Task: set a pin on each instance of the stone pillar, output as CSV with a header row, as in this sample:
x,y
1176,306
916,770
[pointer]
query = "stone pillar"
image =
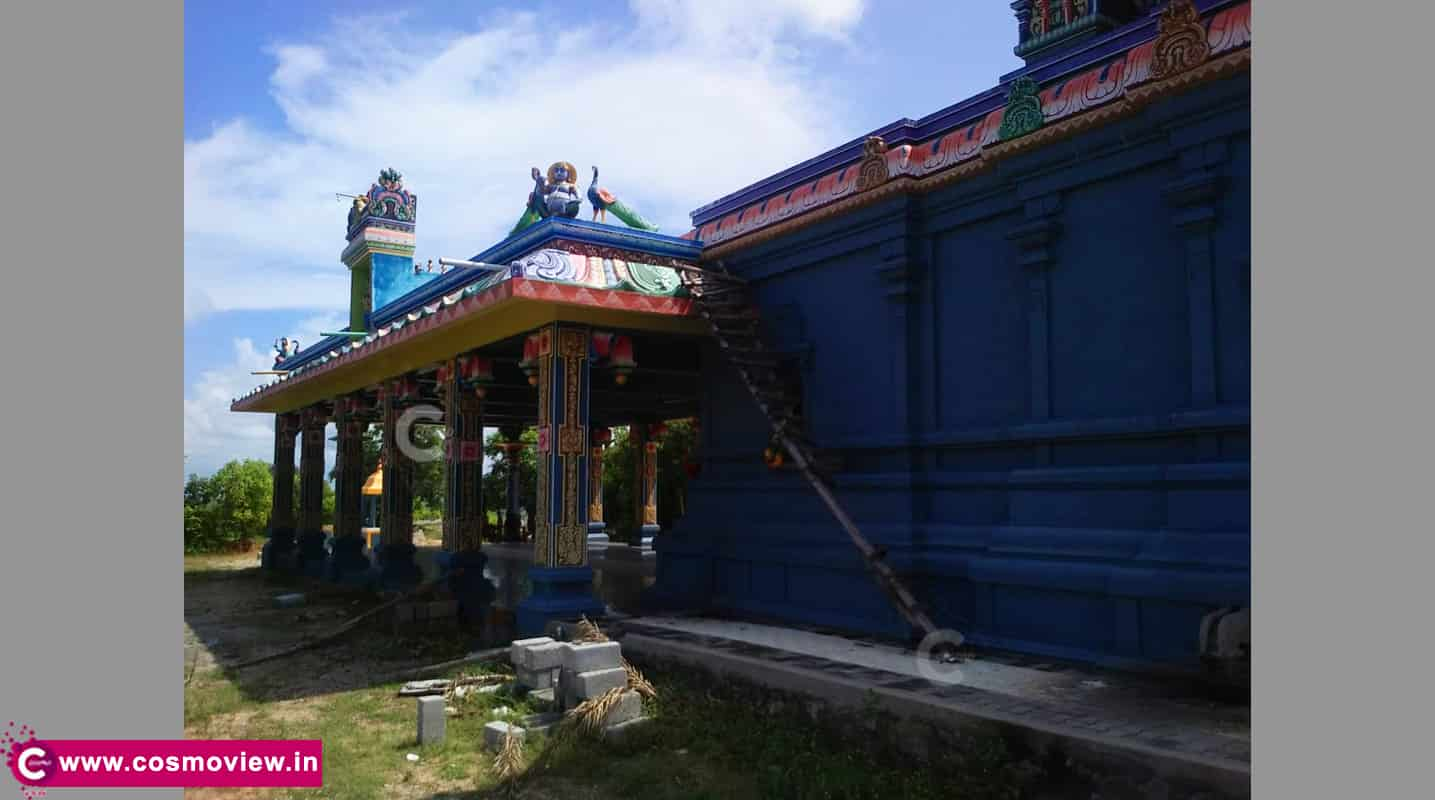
x,y
280,548
561,576
645,484
463,518
348,562
597,529
311,557
512,450
396,557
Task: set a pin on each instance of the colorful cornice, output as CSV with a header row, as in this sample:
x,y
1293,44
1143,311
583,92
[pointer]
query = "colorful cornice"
x,y
1171,60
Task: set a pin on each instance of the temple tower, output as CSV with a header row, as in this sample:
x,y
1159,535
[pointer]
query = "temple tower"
x,y
381,247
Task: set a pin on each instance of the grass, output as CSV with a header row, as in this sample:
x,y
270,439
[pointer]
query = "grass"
x,y
706,739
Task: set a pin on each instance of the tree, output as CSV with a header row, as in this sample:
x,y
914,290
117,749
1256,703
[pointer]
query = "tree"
x,y
620,463
495,480
228,509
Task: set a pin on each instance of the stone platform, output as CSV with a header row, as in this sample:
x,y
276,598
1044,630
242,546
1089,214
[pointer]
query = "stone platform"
x,y
1159,737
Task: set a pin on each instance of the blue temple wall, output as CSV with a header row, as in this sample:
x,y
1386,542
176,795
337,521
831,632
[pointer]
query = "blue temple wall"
x,y
394,277
1038,382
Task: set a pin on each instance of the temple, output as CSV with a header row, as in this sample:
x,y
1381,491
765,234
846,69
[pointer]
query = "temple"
x,y
986,371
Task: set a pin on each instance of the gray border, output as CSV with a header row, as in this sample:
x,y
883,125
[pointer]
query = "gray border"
x,y
90,575
90,580
1341,342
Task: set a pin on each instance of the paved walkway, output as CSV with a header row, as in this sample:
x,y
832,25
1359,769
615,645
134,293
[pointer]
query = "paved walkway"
x,y
1116,718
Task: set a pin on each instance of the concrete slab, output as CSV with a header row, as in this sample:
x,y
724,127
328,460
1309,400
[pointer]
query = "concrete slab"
x,y
1122,724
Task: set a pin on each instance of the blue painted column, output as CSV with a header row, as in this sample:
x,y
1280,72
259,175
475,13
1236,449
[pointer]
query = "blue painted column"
x,y
561,576
396,558
1035,239
597,527
645,485
347,563
279,549
463,518
312,557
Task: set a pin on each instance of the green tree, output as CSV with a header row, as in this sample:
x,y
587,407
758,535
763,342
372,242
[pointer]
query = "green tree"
x,y
495,479
620,463
228,509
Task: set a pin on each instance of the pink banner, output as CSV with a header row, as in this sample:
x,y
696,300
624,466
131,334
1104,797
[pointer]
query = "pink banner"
x,y
167,763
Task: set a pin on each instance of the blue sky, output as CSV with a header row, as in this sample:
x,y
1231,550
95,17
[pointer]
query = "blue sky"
x,y
678,101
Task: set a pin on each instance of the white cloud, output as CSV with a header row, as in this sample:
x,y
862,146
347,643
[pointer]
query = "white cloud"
x,y
213,435
678,104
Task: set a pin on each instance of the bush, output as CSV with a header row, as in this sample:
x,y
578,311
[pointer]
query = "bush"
x,y
228,509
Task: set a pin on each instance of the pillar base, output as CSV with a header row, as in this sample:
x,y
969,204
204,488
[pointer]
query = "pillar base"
x,y
597,538
559,593
348,564
312,556
278,552
645,536
397,568
466,580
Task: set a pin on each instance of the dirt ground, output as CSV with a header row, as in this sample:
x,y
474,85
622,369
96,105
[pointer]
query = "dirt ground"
x,y
704,740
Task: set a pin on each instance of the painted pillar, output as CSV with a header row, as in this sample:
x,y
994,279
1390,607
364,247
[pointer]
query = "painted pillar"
x,y
597,529
463,517
280,547
512,450
1194,198
645,484
311,556
396,559
348,560
561,576
1035,240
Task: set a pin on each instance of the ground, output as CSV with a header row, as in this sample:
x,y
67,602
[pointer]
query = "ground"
x,y
705,740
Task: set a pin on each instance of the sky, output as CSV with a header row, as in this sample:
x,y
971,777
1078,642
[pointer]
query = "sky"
x,y
678,102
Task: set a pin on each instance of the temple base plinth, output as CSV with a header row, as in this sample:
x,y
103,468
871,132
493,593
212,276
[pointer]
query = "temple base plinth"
x,y
312,557
559,593
397,568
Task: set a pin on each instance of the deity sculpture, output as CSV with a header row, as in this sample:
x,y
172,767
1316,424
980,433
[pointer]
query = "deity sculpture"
x,y
557,196
284,347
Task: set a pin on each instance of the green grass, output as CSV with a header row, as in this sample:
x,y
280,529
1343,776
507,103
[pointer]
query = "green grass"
x,y
707,739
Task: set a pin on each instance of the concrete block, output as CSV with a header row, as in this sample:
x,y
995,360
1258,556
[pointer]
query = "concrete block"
x,y
535,678
431,720
542,656
590,656
519,645
629,707
495,732
579,686
616,733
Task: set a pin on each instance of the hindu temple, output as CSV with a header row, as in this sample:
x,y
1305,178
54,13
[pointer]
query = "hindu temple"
x,y
987,370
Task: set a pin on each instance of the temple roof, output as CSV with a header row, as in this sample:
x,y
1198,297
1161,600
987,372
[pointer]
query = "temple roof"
x,y
1066,83
556,269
